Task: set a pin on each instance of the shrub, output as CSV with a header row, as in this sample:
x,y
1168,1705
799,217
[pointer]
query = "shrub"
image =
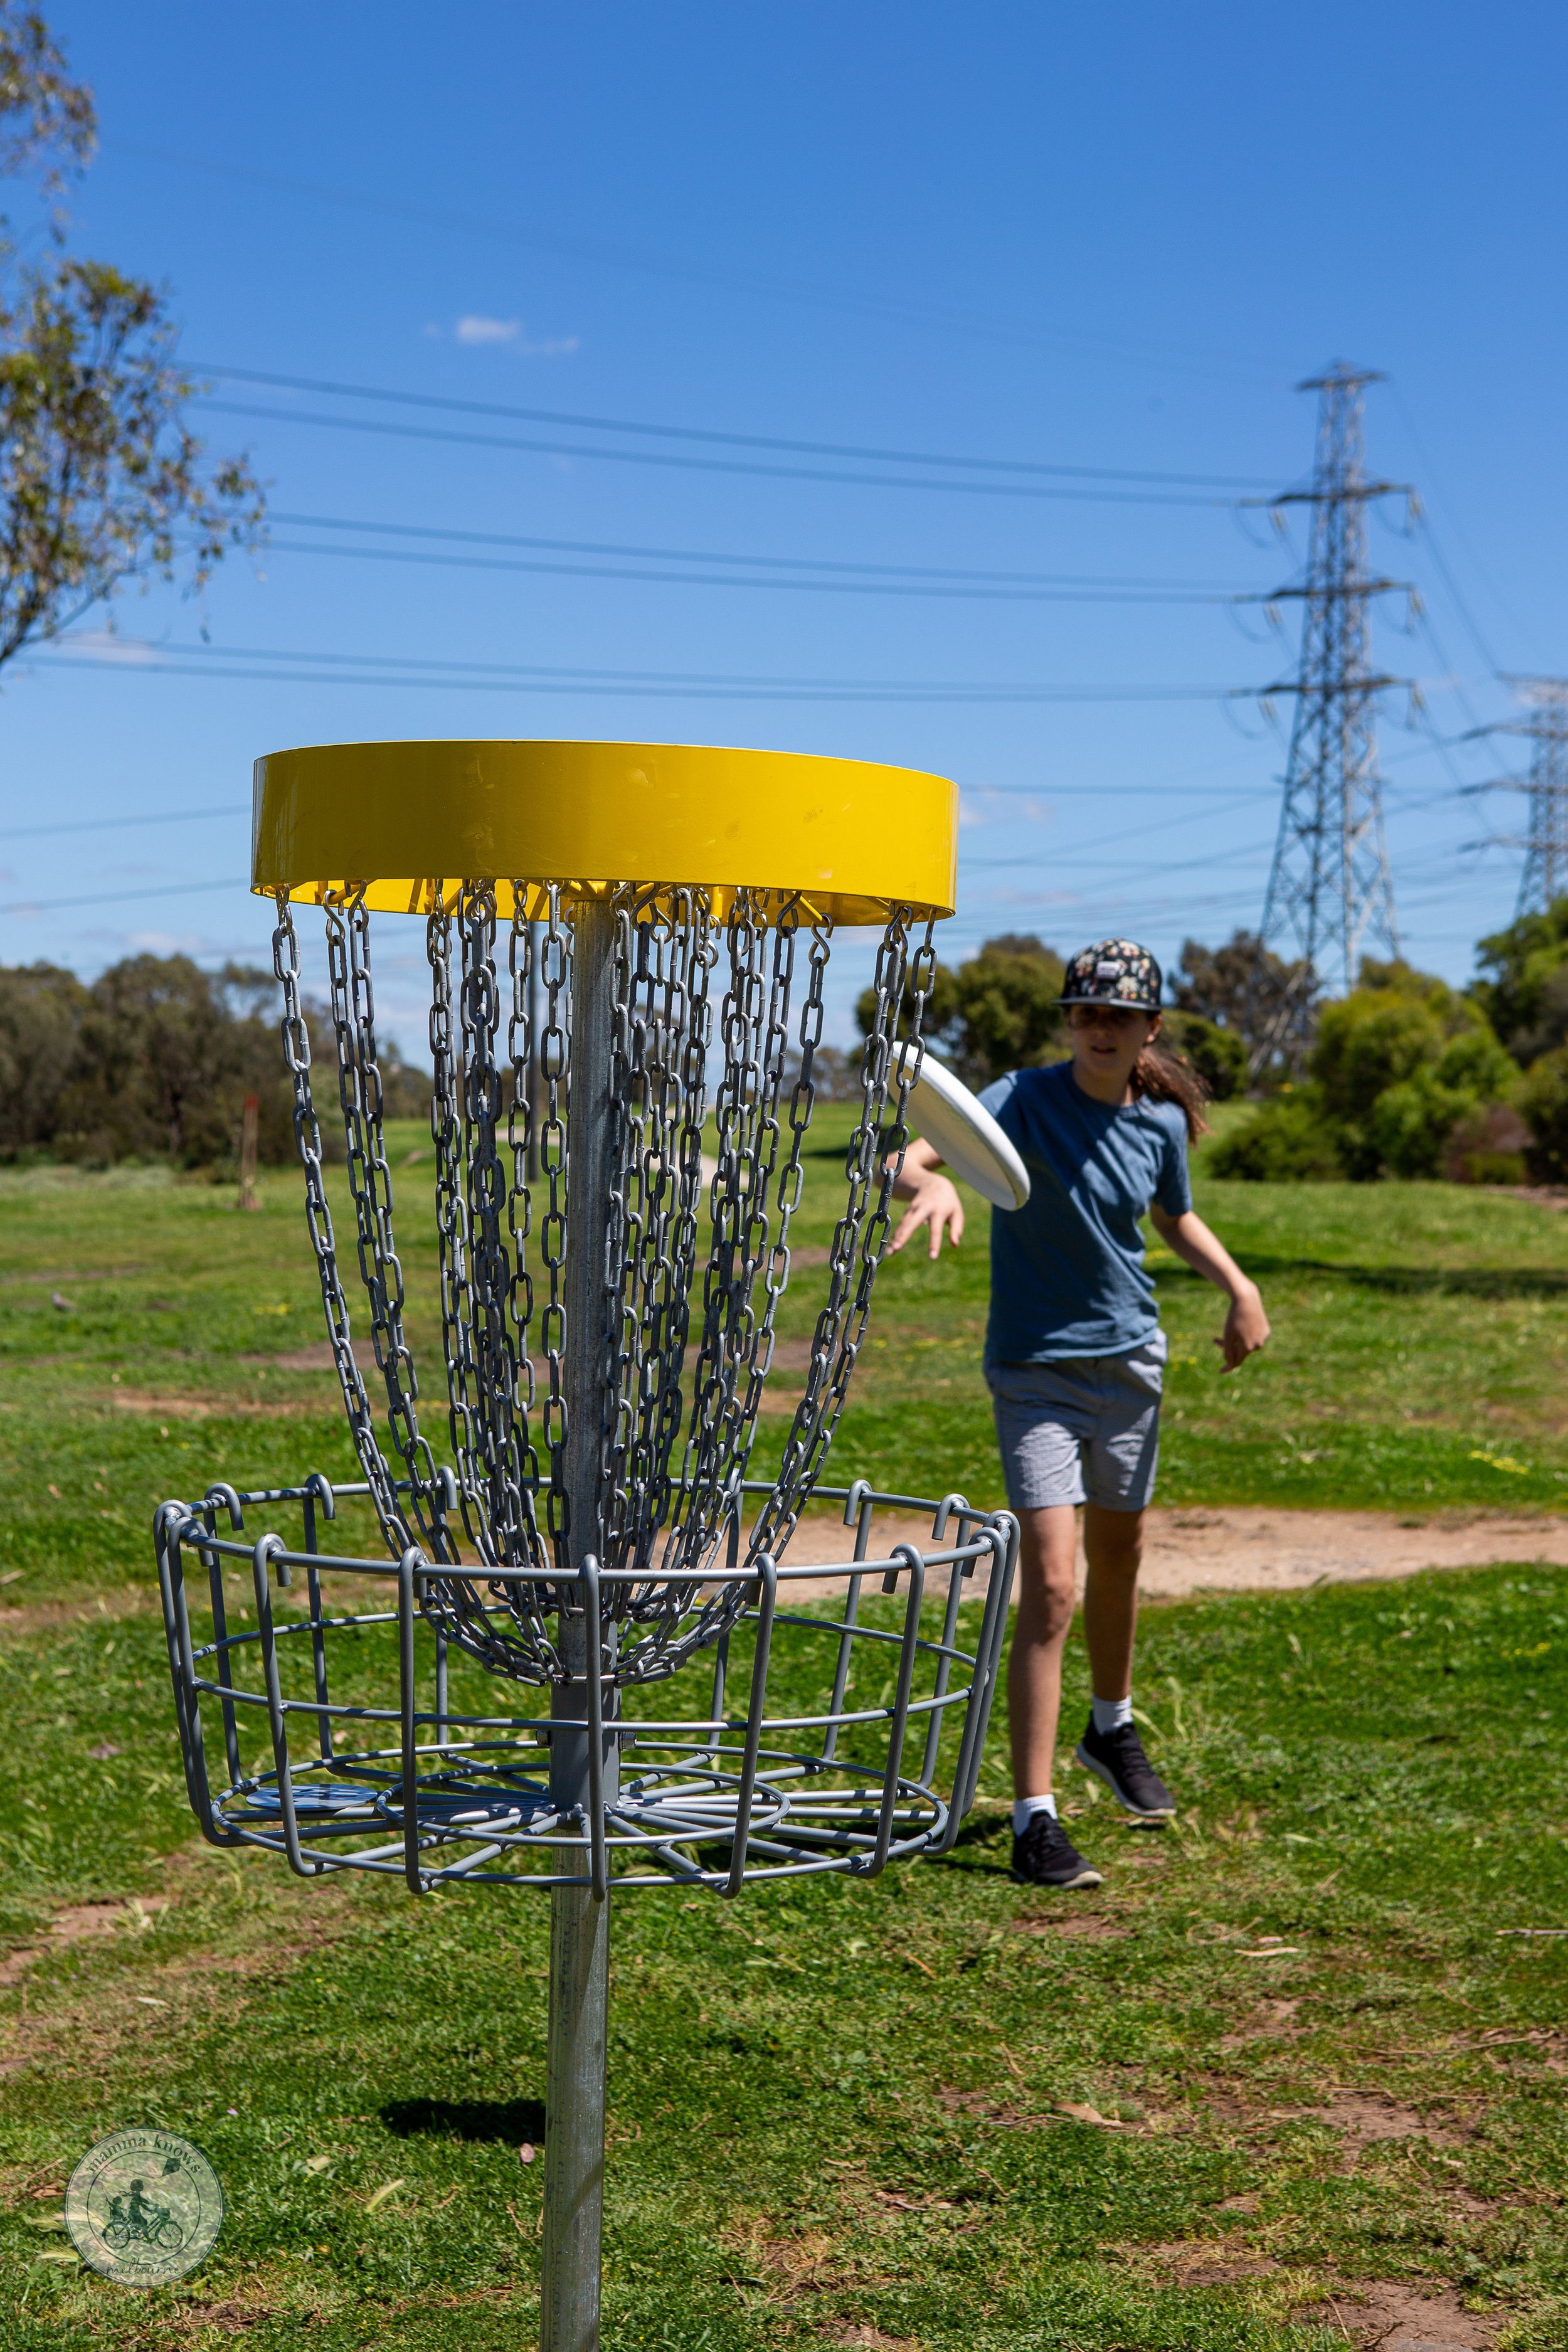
x,y
1491,1145
1288,1140
1543,1100
1218,1055
1400,1062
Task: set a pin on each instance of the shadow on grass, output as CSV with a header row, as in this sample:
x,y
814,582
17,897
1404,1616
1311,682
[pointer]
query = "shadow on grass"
x,y
1409,1281
510,2120
979,1830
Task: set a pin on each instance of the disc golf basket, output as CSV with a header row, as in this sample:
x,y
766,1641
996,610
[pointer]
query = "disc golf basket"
x,y
608,1336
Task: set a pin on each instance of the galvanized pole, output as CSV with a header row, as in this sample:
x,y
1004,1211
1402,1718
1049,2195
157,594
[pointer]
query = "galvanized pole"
x,y
580,1925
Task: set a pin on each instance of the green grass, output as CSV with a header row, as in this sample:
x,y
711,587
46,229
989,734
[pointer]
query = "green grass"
x,y
842,2105
1419,1360
838,2106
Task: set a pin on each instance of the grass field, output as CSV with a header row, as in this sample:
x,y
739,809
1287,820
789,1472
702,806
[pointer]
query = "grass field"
x,y
1321,2051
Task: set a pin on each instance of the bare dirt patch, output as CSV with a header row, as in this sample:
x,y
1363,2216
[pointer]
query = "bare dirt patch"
x,y
1242,1549
1382,2317
317,1357
1087,1927
1197,2262
77,1921
874,2340
1366,2117
168,1408
1271,2020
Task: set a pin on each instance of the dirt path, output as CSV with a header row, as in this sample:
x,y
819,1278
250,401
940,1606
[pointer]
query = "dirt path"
x,y
1245,1548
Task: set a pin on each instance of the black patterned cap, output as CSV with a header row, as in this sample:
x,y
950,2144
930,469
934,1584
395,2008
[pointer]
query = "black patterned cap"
x,y
1115,972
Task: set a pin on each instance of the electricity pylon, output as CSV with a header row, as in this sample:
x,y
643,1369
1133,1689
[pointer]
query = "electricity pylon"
x,y
1330,895
1545,842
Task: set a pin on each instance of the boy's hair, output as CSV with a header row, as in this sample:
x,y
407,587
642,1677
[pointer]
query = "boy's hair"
x,y
1160,1076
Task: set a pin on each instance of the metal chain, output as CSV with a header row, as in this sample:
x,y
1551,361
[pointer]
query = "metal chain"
x,y
296,1036
555,1073
451,1225
363,1099
498,1257
860,1237
664,952
521,1045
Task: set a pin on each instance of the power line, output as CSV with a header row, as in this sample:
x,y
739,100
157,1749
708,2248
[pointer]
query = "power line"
x,y
385,428
888,587
118,897
576,421
421,671
113,824
1136,589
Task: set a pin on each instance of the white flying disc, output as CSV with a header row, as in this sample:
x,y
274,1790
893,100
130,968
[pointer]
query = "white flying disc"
x,y
943,1109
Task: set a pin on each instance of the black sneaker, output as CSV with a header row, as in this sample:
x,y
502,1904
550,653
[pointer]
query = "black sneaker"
x,y
1046,1856
1118,1757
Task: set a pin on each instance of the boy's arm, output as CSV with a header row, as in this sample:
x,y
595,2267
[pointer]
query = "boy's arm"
x,y
1247,1324
933,1198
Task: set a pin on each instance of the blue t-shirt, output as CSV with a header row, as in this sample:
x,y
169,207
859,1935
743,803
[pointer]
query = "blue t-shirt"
x,y
1066,1269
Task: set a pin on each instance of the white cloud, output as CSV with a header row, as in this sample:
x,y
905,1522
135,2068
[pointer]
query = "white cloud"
x,y
108,644
475,327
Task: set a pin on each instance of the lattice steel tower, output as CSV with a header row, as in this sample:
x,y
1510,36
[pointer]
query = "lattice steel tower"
x,y
1330,895
1545,875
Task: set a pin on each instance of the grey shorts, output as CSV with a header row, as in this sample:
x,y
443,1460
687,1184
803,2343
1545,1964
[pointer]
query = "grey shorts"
x,y
1085,1428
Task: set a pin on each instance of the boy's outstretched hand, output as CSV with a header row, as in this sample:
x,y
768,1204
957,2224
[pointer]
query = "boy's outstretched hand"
x,y
1246,1329
933,1198
1247,1324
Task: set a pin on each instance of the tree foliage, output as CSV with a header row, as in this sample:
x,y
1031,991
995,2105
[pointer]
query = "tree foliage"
x,y
48,121
1239,986
102,478
1524,993
1403,1069
154,1061
997,1011
1219,1055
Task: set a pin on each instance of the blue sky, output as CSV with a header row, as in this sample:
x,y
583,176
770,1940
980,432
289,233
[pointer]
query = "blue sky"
x,y
1109,239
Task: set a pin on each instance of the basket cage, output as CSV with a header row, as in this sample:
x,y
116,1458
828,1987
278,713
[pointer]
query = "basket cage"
x,y
300,1736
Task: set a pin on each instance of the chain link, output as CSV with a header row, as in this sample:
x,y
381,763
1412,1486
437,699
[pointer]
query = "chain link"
x,y
502,1264
319,1221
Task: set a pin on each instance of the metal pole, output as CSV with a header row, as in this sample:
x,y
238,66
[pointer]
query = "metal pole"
x,y
580,1925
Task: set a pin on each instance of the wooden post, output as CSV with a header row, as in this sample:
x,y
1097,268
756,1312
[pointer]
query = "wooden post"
x,y
248,1197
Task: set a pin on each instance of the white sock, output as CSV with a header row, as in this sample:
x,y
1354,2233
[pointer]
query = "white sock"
x,y
1026,1808
1111,1714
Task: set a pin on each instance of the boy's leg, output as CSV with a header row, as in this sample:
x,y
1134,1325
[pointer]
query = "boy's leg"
x,y
1047,1561
1113,1549
1113,1545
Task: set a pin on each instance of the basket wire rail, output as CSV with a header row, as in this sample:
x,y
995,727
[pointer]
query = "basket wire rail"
x,y
284,1750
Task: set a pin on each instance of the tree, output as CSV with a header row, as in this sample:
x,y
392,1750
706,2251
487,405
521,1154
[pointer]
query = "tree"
x,y
155,1062
102,479
1239,986
1526,996
998,1011
41,1010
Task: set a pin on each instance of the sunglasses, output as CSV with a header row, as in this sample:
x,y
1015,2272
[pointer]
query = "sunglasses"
x,y
1119,1017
